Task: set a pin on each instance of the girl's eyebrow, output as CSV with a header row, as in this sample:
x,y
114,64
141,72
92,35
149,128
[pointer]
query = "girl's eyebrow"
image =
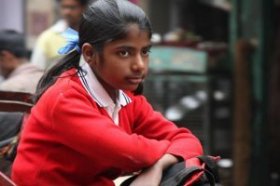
x,y
129,47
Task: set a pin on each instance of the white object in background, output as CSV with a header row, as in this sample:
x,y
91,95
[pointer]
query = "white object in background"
x,y
225,163
156,38
185,104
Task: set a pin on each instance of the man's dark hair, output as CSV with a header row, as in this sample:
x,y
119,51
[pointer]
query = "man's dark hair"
x,y
82,2
13,42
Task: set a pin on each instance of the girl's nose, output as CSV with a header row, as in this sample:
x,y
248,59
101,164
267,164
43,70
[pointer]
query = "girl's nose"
x,y
138,63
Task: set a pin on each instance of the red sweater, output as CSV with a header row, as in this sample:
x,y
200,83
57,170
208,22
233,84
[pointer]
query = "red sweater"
x,y
69,140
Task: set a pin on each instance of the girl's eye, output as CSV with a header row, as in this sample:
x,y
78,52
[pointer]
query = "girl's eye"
x,y
146,52
123,53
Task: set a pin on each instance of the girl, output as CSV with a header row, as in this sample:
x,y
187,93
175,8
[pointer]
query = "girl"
x,y
89,126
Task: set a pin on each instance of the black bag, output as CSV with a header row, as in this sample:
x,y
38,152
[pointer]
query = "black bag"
x,y
181,175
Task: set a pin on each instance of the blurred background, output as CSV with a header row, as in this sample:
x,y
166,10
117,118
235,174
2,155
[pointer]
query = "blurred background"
x,y
214,68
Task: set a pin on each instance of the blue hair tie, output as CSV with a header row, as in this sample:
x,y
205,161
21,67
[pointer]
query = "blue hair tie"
x,y
72,38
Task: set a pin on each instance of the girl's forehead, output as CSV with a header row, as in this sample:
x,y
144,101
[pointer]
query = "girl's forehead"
x,y
134,35
134,30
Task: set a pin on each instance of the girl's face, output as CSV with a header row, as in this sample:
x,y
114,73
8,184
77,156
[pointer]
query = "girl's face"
x,y
123,64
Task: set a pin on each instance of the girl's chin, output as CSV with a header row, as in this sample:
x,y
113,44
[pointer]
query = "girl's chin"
x,y
130,88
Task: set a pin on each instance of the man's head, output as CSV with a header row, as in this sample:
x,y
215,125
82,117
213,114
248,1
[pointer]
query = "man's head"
x,y
71,11
12,51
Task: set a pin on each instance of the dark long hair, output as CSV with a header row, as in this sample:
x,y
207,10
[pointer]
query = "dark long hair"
x,y
102,22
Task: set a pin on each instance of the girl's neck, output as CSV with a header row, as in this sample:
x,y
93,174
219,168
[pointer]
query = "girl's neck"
x,y
113,93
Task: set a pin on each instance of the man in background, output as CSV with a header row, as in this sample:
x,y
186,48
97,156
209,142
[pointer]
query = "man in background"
x,y
19,75
45,53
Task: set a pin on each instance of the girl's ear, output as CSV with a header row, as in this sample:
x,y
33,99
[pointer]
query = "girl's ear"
x,y
88,53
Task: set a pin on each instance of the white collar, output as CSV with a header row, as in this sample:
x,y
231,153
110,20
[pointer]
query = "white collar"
x,y
96,90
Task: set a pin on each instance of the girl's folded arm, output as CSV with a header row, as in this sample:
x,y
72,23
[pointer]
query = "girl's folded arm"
x,y
82,127
153,125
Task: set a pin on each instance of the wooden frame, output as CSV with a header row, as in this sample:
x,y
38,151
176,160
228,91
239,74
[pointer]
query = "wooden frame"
x,y
15,101
5,181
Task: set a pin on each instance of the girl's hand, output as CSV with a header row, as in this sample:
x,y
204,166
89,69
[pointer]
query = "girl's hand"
x,y
152,176
149,177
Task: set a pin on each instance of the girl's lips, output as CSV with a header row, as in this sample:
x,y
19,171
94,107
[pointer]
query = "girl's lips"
x,y
134,80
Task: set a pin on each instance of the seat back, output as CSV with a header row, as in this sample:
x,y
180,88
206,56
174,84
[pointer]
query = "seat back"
x,y
11,103
15,101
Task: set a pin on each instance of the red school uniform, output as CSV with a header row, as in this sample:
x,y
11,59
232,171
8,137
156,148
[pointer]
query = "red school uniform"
x,y
70,140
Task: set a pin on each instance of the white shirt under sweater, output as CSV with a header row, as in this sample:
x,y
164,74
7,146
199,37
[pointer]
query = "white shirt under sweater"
x,y
99,94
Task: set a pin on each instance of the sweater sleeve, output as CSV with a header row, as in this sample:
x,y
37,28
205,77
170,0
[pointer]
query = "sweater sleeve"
x,y
78,123
153,125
